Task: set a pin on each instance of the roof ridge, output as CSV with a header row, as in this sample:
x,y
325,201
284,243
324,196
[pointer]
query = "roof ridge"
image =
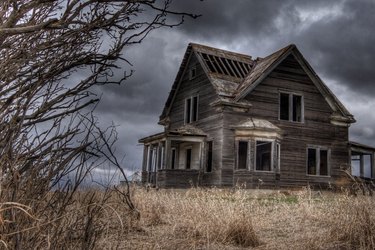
x,y
197,46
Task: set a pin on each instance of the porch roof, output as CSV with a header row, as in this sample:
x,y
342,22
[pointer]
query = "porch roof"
x,y
358,146
186,130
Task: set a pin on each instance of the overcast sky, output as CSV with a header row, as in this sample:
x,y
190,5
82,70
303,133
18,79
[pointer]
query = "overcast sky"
x,y
336,37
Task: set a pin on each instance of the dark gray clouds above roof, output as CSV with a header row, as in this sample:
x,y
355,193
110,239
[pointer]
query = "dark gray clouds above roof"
x,y
336,37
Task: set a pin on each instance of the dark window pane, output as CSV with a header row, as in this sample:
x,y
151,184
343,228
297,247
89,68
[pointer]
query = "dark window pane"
x,y
311,161
173,163
209,157
367,165
297,108
284,106
242,154
323,162
188,111
195,109
263,155
188,158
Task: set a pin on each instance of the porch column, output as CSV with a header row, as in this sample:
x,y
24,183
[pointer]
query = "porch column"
x,y
373,166
145,157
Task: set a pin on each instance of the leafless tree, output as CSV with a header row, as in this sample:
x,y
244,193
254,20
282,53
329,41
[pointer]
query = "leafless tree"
x,y
52,52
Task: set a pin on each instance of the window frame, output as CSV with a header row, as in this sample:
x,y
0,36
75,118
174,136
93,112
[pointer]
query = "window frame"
x,y
290,106
247,165
188,120
192,73
272,167
318,150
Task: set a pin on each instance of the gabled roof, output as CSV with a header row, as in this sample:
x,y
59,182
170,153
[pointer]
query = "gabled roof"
x,y
233,75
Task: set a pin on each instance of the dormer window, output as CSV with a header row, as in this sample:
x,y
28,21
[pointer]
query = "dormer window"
x,y
291,107
191,109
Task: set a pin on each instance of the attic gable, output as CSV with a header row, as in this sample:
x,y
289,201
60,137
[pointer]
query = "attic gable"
x,y
265,66
224,69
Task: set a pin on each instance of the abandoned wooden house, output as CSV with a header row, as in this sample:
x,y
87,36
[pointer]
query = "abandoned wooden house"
x,y
265,122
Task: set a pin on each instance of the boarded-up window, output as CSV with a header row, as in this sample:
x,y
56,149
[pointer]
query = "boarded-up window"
x,y
209,156
317,161
291,107
242,154
188,158
263,155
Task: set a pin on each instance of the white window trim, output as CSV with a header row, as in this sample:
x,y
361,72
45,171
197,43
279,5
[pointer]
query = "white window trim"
x,y
317,151
255,155
291,94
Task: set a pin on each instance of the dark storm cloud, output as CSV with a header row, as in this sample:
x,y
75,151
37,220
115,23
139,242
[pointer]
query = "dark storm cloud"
x,y
336,37
344,46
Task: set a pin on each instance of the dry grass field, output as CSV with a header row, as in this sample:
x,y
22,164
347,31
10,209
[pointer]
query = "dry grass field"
x,y
200,219
259,219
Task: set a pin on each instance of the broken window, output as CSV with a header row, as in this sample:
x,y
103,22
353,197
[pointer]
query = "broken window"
x,y
263,154
361,164
209,156
242,155
191,109
317,161
225,66
356,165
188,158
367,166
291,107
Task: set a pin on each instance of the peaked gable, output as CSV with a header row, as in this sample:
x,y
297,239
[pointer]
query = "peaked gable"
x,y
265,66
224,69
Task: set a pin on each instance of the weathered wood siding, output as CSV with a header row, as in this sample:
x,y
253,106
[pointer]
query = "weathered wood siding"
x,y
209,120
315,130
177,178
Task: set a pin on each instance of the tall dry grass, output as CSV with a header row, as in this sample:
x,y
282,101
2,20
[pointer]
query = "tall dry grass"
x,y
236,219
194,219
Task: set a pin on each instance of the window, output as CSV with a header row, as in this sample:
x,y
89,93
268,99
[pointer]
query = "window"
x,y
362,164
317,161
209,156
263,156
192,73
242,154
191,109
173,160
188,158
291,107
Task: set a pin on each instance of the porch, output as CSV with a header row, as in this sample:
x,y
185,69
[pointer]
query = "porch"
x,y
173,159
